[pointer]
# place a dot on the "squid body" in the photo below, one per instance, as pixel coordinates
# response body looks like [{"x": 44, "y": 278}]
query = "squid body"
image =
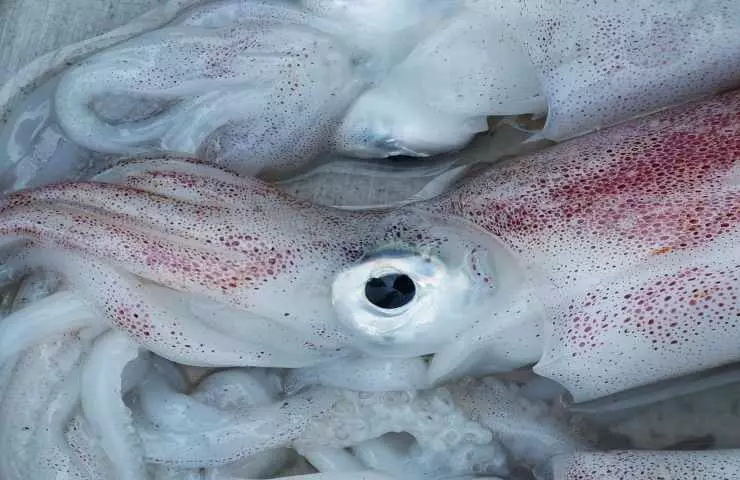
[{"x": 610, "y": 261}]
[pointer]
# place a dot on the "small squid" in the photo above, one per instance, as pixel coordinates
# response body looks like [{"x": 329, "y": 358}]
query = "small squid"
[{"x": 610, "y": 261}]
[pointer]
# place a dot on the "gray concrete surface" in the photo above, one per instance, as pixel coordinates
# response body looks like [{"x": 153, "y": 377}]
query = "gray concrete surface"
[{"x": 31, "y": 28}]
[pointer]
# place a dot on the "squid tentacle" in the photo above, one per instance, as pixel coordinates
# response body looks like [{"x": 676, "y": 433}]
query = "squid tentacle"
[
  {"x": 48, "y": 317},
  {"x": 440, "y": 428},
  {"x": 181, "y": 87},
  {"x": 40, "y": 376},
  {"x": 332, "y": 460},
  {"x": 121, "y": 202},
  {"x": 531, "y": 431},
  {"x": 251, "y": 431},
  {"x": 103, "y": 406},
  {"x": 55, "y": 455}
]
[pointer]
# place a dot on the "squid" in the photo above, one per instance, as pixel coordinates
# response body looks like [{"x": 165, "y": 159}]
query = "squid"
[
  {"x": 273, "y": 88},
  {"x": 225, "y": 79},
  {"x": 608, "y": 261},
  {"x": 643, "y": 465},
  {"x": 584, "y": 64}
]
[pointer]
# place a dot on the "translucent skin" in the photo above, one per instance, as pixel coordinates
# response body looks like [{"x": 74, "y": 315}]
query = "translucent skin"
[
  {"x": 230, "y": 80},
  {"x": 173, "y": 262},
  {"x": 644, "y": 465},
  {"x": 628, "y": 239},
  {"x": 591, "y": 64},
  {"x": 635, "y": 229},
  {"x": 262, "y": 86}
]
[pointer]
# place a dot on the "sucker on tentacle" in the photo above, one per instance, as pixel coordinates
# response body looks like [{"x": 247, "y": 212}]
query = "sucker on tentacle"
[
  {"x": 37, "y": 403},
  {"x": 445, "y": 438},
  {"x": 531, "y": 431},
  {"x": 362, "y": 375}
]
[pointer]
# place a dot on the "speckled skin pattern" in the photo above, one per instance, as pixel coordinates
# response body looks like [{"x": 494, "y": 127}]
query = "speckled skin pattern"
[
  {"x": 646, "y": 465},
  {"x": 176, "y": 223},
  {"x": 636, "y": 229},
  {"x": 631, "y": 233}
]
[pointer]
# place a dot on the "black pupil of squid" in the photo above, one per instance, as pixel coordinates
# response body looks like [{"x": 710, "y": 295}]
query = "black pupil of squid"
[{"x": 390, "y": 291}]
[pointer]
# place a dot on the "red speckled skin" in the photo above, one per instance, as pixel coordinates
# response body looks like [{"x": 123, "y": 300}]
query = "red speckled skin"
[
  {"x": 238, "y": 249},
  {"x": 636, "y": 230},
  {"x": 628, "y": 236}
]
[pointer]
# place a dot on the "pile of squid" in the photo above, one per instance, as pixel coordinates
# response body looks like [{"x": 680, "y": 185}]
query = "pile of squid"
[{"x": 170, "y": 308}]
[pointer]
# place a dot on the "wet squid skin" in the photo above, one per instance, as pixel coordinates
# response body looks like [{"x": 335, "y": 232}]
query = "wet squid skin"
[
  {"x": 720, "y": 464},
  {"x": 624, "y": 245},
  {"x": 635, "y": 232},
  {"x": 177, "y": 253},
  {"x": 259, "y": 85}
]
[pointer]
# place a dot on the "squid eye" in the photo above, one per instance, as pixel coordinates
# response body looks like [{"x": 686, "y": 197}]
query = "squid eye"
[{"x": 390, "y": 291}]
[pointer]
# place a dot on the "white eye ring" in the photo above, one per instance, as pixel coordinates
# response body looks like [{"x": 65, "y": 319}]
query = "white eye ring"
[{"x": 393, "y": 316}]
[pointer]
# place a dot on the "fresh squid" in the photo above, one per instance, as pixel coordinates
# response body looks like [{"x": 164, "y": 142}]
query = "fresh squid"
[
  {"x": 586, "y": 64},
  {"x": 231, "y": 80},
  {"x": 266, "y": 87},
  {"x": 610, "y": 261},
  {"x": 644, "y": 465}
]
